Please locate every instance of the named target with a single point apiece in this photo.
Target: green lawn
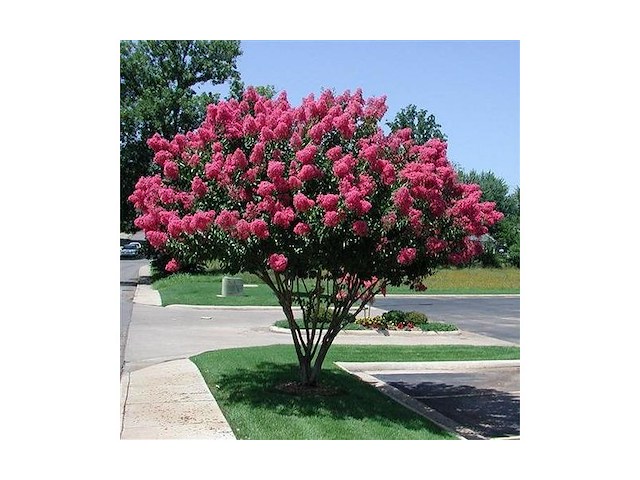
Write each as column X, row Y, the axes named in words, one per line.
column 204, row 289
column 244, row 382
column 469, row 281
column 189, row 289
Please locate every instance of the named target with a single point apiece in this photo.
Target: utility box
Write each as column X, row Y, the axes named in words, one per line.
column 232, row 287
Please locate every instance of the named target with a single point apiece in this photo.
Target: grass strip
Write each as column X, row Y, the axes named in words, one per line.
column 463, row 281
column 244, row 381
column 190, row 289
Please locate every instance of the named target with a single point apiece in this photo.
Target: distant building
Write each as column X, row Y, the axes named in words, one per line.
column 487, row 241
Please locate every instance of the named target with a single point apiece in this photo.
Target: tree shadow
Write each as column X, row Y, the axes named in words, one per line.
column 258, row 388
column 491, row 413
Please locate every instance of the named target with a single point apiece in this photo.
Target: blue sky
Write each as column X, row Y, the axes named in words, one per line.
column 472, row 87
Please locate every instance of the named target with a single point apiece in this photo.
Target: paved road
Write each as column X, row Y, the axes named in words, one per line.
column 493, row 316
column 129, row 269
column 158, row 334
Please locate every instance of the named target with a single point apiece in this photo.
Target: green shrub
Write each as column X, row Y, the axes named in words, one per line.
column 354, row 326
column 514, row 255
column 490, row 259
column 437, row 327
column 393, row 317
column 417, row 318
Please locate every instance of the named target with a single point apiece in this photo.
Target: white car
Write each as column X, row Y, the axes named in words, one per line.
column 131, row 249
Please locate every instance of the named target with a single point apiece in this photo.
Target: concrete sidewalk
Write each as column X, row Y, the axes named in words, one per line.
column 163, row 395
column 170, row 401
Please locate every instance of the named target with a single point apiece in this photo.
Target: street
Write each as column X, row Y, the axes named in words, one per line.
column 129, row 269
column 493, row 316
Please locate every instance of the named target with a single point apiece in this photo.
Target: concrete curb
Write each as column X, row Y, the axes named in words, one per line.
column 457, row 365
column 147, row 295
column 145, row 271
column 450, row 295
column 378, row 333
column 374, row 311
column 222, row 307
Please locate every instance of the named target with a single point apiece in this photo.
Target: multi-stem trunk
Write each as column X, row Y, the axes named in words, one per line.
column 326, row 304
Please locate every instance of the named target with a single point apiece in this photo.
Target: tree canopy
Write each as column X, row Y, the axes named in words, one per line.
column 158, row 82
column 315, row 200
column 423, row 127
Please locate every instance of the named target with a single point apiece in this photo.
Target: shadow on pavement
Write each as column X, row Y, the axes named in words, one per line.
column 489, row 412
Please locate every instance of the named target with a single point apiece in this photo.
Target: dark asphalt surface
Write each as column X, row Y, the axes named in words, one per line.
column 493, row 316
column 486, row 401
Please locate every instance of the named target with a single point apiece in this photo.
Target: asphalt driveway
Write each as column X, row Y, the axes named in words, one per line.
column 493, row 316
column 475, row 400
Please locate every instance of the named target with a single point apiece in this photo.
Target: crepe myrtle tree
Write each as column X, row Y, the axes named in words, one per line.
column 315, row 200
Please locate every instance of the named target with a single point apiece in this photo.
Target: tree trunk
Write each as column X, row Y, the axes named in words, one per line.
column 327, row 341
column 312, row 346
column 306, row 372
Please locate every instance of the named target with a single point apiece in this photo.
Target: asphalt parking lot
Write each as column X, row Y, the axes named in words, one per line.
column 475, row 400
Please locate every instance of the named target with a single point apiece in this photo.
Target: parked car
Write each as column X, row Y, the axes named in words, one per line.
column 131, row 249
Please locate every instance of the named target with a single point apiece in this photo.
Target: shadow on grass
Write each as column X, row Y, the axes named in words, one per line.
column 256, row 388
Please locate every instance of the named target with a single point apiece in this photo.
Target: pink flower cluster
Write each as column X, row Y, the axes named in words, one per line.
column 172, row 266
column 407, row 256
column 277, row 178
column 278, row 262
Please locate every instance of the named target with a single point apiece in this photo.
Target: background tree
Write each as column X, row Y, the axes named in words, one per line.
column 422, row 124
column 507, row 231
column 157, row 81
column 494, row 189
column 316, row 201
column 238, row 88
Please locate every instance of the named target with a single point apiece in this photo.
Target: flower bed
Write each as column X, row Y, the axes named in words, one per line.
column 407, row 321
column 393, row 320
